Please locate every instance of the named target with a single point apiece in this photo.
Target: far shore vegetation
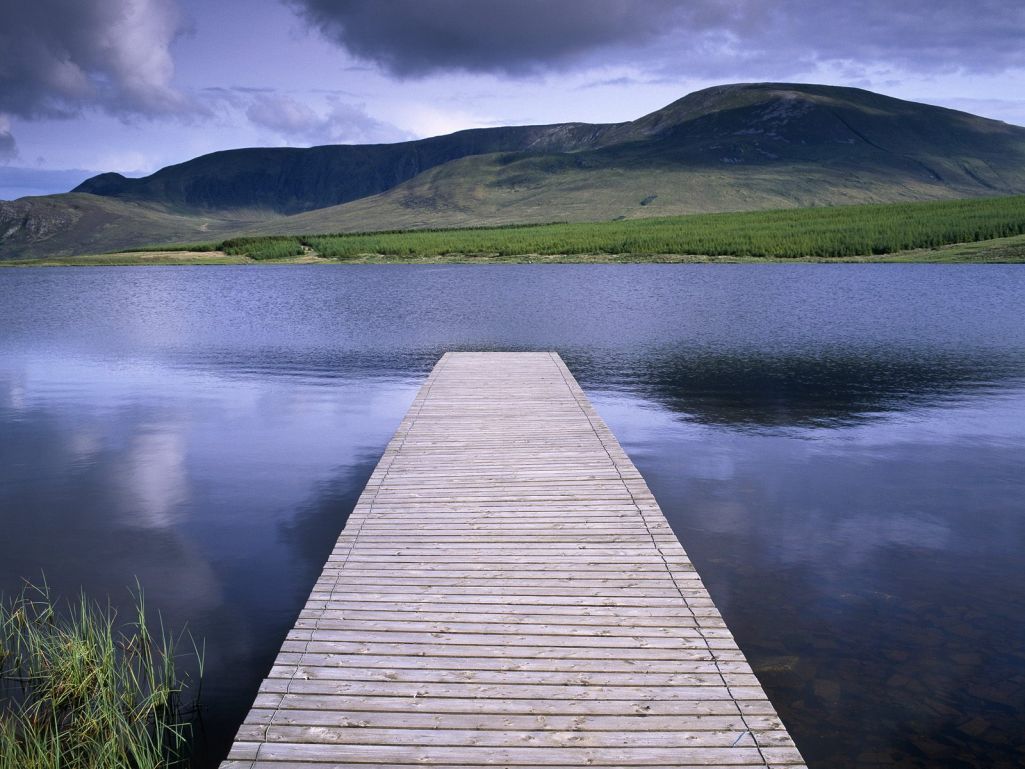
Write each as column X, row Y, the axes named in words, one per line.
column 80, row 688
column 974, row 230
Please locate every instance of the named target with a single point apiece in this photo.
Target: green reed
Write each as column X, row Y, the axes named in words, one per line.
column 81, row 689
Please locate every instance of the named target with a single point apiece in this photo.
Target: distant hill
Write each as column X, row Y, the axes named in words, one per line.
column 733, row 147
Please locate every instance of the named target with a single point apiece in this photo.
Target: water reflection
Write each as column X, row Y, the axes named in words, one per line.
column 222, row 496
column 826, row 388
column 871, row 571
column 840, row 450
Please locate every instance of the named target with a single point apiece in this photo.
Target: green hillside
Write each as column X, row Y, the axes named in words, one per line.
column 78, row 223
column 729, row 148
column 288, row 180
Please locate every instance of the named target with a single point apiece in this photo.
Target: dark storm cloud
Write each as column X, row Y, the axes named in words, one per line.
column 702, row 37
column 413, row 37
column 60, row 56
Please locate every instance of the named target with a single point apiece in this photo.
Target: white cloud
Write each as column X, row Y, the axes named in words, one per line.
column 156, row 478
column 340, row 123
column 58, row 57
column 424, row 120
column 139, row 58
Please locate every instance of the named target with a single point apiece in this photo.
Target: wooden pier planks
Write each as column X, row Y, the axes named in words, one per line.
column 507, row 592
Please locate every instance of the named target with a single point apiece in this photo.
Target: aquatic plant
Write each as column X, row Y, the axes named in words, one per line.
column 80, row 689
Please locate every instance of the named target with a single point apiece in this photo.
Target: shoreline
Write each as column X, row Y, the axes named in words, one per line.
column 1008, row 250
column 961, row 231
column 950, row 255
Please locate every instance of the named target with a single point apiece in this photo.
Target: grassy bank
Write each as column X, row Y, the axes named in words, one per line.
column 81, row 689
column 996, row 251
column 132, row 258
column 792, row 233
column 987, row 229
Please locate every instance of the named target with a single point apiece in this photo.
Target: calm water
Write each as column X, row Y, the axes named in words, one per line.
column 840, row 448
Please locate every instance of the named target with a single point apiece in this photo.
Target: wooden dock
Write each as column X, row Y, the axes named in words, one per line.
column 507, row 593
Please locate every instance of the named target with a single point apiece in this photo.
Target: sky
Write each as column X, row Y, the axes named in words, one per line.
column 88, row 86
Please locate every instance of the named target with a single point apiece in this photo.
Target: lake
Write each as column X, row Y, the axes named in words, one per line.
column 840, row 448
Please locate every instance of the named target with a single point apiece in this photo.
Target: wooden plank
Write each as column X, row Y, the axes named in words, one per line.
column 527, row 723
column 506, row 592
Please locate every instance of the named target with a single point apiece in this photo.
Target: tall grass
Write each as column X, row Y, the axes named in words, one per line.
column 817, row 232
column 81, row 690
column 260, row 248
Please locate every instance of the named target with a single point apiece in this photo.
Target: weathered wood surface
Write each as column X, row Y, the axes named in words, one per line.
column 507, row 592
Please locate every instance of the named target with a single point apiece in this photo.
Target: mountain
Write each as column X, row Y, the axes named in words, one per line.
column 733, row 147
column 287, row 180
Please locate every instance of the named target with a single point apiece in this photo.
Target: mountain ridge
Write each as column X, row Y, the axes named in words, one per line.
column 730, row 147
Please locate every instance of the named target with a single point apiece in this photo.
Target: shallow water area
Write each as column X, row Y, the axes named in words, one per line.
column 841, row 449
